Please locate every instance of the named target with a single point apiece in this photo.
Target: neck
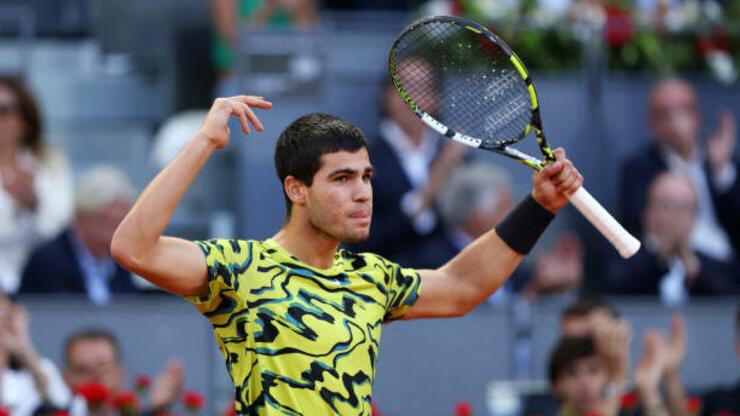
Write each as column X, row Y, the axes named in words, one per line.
column 414, row 131
column 89, row 243
column 307, row 243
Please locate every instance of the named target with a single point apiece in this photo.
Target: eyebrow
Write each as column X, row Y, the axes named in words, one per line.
column 348, row 171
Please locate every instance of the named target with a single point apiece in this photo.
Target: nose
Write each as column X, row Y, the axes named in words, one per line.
column 363, row 191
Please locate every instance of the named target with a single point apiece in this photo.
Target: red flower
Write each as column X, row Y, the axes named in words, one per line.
column 60, row 413
column 619, row 29
column 463, row 409
column 4, row 412
column 231, row 410
column 704, row 46
column 94, row 393
column 142, row 383
column 693, row 404
column 629, row 400
column 193, row 400
column 126, row 403
column 374, row 410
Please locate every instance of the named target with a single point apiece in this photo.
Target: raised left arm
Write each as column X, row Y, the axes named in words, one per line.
column 484, row 266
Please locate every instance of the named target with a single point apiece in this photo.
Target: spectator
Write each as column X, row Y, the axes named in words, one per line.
column 28, row 382
column 589, row 373
column 669, row 265
column 725, row 400
column 411, row 163
column 229, row 17
column 474, row 200
column 576, row 320
column 78, row 260
column 661, row 362
column 674, row 120
column 93, row 356
column 35, row 183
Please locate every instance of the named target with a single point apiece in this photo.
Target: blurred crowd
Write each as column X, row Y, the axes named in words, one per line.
column 679, row 194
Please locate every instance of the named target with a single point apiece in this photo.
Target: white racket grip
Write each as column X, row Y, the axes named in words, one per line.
column 623, row 241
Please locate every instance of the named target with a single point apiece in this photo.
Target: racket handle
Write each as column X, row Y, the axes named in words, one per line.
column 623, row 241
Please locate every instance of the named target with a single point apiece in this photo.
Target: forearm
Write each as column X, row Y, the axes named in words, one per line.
column 651, row 402
column 30, row 361
column 482, row 267
column 676, row 393
column 142, row 228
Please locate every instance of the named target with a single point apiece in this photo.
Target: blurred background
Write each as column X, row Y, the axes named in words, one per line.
column 121, row 86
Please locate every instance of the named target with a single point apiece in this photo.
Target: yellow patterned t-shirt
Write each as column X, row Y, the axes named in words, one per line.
column 300, row 340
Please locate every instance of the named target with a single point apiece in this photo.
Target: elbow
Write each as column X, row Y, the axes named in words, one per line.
column 123, row 252
column 463, row 304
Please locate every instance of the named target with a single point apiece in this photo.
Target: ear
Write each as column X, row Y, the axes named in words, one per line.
column 295, row 189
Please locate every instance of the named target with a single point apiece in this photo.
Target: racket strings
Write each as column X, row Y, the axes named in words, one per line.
column 463, row 79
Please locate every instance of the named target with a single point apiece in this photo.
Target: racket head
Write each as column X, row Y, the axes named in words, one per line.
column 466, row 83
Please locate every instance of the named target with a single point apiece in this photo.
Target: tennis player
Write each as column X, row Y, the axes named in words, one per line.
column 298, row 319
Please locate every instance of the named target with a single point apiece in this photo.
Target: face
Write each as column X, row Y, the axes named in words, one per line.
column 340, row 199
column 11, row 124
column 575, row 326
column 581, row 384
column 487, row 215
column 97, row 228
column 671, row 207
column 674, row 116
column 93, row 360
column 422, row 88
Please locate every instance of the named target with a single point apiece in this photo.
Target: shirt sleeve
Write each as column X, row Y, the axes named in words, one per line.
column 403, row 290
column 226, row 260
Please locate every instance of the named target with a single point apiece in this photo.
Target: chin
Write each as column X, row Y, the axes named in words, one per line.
column 357, row 237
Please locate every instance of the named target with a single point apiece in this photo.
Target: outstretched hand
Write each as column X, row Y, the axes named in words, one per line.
column 216, row 125
column 556, row 182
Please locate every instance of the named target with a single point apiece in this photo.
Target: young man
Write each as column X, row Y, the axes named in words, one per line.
column 297, row 319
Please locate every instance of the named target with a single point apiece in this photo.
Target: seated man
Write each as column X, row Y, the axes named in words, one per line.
column 669, row 265
column 78, row 260
column 93, row 356
column 474, row 199
column 674, row 119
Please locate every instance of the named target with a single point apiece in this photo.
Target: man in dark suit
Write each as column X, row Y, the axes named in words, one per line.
column 410, row 163
column 668, row 265
column 78, row 260
column 674, row 121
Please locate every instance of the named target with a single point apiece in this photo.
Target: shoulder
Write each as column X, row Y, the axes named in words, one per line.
column 226, row 245
column 647, row 154
column 59, row 245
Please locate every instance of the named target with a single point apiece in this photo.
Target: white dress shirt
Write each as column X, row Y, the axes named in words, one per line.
column 21, row 230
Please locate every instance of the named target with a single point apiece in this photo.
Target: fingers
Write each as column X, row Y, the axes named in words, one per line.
column 254, row 101
column 241, row 107
column 563, row 174
column 678, row 329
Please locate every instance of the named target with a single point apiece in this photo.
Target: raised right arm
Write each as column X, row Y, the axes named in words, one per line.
column 175, row 264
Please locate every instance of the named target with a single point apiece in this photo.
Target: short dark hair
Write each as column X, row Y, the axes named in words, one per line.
column 301, row 145
column 28, row 110
column 567, row 352
column 585, row 306
column 91, row 334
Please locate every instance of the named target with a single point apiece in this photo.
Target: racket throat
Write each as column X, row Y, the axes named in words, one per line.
column 522, row 157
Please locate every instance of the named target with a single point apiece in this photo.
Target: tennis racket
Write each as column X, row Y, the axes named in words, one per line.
column 467, row 84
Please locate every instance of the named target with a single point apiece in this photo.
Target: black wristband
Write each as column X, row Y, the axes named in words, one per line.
column 524, row 225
